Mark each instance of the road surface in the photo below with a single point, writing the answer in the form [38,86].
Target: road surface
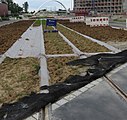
[118,24]
[7,22]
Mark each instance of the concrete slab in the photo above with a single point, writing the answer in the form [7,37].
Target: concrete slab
[120,79]
[29,45]
[99,103]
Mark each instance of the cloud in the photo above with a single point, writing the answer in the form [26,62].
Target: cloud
[35,4]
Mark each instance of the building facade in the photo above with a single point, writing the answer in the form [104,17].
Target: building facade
[82,7]
[3,8]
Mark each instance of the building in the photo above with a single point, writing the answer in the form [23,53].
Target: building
[125,6]
[3,8]
[86,7]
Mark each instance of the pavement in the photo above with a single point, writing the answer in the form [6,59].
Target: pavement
[7,22]
[28,45]
[118,24]
[120,79]
[100,102]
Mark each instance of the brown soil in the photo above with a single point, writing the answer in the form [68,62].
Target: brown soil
[101,33]
[18,78]
[10,33]
[80,42]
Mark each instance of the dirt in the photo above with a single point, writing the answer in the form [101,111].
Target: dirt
[19,77]
[59,71]
[9,34]
[101,33]
[82,43]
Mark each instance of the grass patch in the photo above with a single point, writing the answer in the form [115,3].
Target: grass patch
[80,42]
[55,44]
[59,71]
[37,23]
[19,77]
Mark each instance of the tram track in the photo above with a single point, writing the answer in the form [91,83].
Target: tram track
[116,87]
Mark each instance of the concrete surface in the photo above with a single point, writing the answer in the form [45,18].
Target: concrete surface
[98,103]
[28,45]
[7,22]
[118,24]
[120,79]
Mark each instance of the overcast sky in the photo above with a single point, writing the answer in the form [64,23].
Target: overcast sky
[35,4]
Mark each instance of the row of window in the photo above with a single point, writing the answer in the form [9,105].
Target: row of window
[96,4]
[108,7]
[102,11]
[76,1]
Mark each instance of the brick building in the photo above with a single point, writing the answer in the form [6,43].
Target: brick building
[84,7]
[3,8]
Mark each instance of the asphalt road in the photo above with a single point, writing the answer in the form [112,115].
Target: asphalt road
[6,22]
[118,24]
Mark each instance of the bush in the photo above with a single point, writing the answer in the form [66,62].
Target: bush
[5,18]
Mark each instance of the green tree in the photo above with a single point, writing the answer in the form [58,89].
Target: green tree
[13,7]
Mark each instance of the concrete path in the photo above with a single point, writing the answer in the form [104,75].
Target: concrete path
[98,103]
[29,45]
[7,22]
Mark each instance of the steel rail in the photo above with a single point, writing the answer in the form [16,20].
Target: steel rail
[116,88]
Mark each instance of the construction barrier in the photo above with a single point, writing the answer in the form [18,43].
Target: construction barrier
[97,21]
[77,19]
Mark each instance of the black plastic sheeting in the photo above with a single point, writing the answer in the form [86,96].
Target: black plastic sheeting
[27,106]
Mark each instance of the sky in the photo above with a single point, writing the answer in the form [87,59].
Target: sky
[35,4]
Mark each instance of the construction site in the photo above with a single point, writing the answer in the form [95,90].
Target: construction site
[64,67]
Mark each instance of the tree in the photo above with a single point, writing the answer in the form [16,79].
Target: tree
[13,7]
[26,6]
